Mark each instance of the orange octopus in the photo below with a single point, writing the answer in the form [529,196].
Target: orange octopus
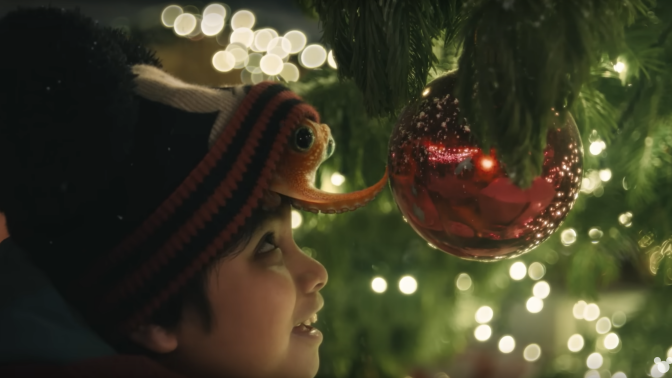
[310,145]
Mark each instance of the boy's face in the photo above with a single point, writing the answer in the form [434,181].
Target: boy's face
[257,297]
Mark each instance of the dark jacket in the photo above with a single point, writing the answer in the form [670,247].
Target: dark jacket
[41,336]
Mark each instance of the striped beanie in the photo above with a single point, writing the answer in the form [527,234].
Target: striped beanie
[175,169]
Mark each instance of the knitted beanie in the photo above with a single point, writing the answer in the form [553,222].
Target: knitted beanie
[123,182]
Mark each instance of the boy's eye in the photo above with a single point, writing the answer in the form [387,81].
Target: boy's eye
[267,244]
[267,247]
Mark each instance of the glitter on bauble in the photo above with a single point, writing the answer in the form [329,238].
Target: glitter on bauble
[459,198]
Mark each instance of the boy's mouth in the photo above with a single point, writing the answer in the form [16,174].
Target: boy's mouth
[305,327]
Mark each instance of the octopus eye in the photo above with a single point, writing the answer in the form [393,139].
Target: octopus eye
[331,146]
[303,138]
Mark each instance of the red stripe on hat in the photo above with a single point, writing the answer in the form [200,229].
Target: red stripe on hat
[297,115]
[204,214]
[167,208]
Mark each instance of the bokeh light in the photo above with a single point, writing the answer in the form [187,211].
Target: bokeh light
[463,282]
[507,344]
[594,361]
[253,61]
[625,219]
[243,36]
[297,39]
[536,271]
[290,72]
[271,65]
[379,285]
[578,310]
[575,343]
[242,19]
[484,314]
[279,46]
[337,179]
[261,39]
[330,60]
[618,319]
[518,271]
[223,61]
[605,174]
[297,219]
[619,374]
[532,352]
[185,24]
[408,285]
[591,312]
[541,289]
[534,305]
[603,325]
[169,15]
[568,236]
[313,56]
[611,341]
[483,332]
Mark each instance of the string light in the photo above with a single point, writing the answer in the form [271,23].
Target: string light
[594,361]
[618,320]
[290,72]
[213,19]
[518,271]
[297,219]
[484,314]
[605,174]
[536,271]
[330,60]
[625,219]
[243,36]
[379,285]
[591,312]
[611,341]
[579,309]
[568,237]
[261,39]
[463,282]
[242,19]
[532,352]
[313,56]
[271,64]
[223,61]
[534,305]
[185,24]
[279,46]
[169,15]
[253,61]
[408,285]
[507,344]
[595,235]
[541,289]
[297,40]
[603,326]
[337,179]
[483,332]
[575,343]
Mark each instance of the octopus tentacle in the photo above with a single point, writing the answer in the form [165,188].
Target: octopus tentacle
[315,200]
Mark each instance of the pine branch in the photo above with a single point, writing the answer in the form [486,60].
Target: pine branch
[526,58]
[385,46]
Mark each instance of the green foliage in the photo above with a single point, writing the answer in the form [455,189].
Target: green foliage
[385,335]
[520,59]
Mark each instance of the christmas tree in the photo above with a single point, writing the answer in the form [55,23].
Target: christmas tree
[594,299]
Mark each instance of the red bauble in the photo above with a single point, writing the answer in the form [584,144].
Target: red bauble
[459,198]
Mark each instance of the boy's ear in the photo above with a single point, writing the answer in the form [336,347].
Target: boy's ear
[155,338]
